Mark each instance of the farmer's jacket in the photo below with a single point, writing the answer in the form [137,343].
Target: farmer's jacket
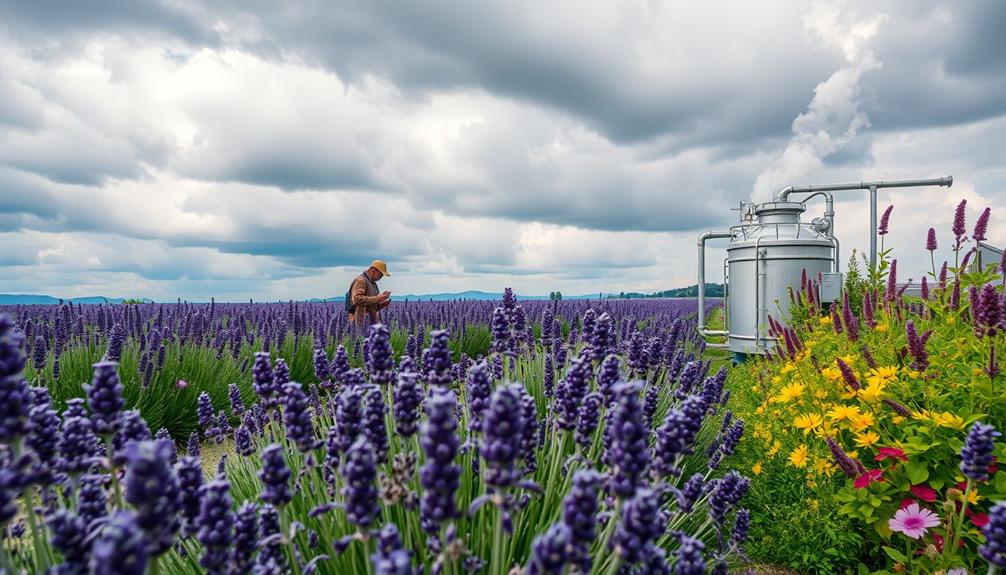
[364,295]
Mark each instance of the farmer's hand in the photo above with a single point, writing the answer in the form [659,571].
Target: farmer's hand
[385,296]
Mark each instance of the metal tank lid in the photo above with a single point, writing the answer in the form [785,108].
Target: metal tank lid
[780,207]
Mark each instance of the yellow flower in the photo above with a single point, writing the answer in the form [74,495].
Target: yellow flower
[825,320]
[820,394]
[760,410]
[849,359]
[947,419]
[883,374]
[790,392]
[951,320]
[841,412]
[862,421]
[897,419]
[798,458]
[775,448]
[867,438]
[823,466]
[873,392]
[881,327]
[756,469]
[808,422]
[831,373]
[787,368]
[973,497]
[776,379]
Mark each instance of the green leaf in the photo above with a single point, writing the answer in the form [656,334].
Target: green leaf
[917,472]
[1000,481]
[895,554]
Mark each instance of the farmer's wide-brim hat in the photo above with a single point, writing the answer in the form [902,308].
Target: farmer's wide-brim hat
[380,266]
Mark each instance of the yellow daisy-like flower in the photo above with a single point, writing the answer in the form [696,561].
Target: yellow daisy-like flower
[973,497]
[862,421]
[867,438]
[775,448]
[776,379]
[787,368]
[897,419]
[881,327]
[849,359]
[831,373]
[824,320]
[841,412]
[798,457]
[756,469]
[873,392]
[808,422]
[789,393]
[823,466]
[947,419]
[889,372]
[820,394]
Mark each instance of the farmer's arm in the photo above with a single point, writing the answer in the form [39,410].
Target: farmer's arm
[359,294]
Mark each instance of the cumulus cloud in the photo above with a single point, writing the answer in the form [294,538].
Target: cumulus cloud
[261,149]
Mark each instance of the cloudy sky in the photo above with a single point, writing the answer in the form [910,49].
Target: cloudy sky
[269,150]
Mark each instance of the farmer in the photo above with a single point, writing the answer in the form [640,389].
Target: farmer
[363,301]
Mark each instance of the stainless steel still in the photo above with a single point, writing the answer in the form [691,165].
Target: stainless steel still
[769,251]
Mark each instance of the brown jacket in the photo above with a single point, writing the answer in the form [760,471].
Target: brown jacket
[366,298]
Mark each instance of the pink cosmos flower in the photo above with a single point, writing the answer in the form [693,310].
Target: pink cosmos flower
[182,384]
[913,521]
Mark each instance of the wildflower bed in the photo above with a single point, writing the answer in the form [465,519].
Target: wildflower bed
[874,424]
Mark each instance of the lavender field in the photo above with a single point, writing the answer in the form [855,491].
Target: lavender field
[460,437]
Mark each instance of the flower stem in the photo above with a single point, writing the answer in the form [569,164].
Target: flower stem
[497,559]
[27,493]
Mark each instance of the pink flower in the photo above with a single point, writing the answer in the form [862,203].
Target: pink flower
[913,521]
[890,452]
[182,384]
[865,479]
[923,492]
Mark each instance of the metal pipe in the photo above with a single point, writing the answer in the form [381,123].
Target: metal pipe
[757,290]
[783,195]
[873,229]
[702,281]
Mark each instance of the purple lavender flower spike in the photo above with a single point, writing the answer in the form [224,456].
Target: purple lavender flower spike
[931,244]
[629,453]
[380,362]
[502,431]
[408,398]
[641,523]
[119,548]
[579,512]
[917,346]
[994,548]
[104,397]
[550,551]
[246,538]
[237,404]
[981,226]
[885,220]
[216,527]
[976,455]
[297,418]
[360,493]
[264,380]
[275,476]
[570,392]
[479,391]
[374,428]
[440,476]
[689,559]
[437,359]
[958,228]
[153,489]
[587,419]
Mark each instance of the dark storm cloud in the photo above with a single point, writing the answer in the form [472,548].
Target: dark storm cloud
[55,18]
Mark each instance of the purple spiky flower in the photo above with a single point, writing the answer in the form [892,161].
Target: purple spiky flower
[641,523]
[931,244]
[119,548]
[275,476]
[360,493]
[958,228]
[374,428]
[153,489]
[629,451]
[408,397]
[579,512]
[502,431]
[104,397]
[380,362]
[297,418]
[246,538]
[587,419]
[885,220]
[982,225]
[917,346]
[216,527]
[437,359]
[976,455]
[571,391]
[994,548]
[440,476]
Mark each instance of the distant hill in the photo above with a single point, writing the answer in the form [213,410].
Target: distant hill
[469,295]
[712,290]
[30,299]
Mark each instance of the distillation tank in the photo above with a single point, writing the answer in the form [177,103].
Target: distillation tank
[770,251]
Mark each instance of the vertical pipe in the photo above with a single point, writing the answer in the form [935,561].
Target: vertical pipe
[873,229]
[702,284]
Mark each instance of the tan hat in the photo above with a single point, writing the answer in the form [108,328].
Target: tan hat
[380,266]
